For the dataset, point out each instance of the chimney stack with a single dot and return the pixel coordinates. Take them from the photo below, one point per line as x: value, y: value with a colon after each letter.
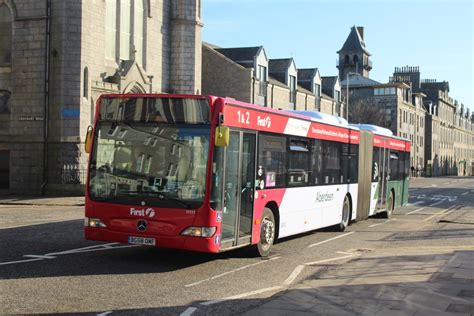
x: 360, y: 29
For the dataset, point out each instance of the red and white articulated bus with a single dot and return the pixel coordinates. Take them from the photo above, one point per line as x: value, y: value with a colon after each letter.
x: 211, y: 174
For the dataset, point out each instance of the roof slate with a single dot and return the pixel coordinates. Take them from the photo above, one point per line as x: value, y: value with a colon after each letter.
x: 354, y: 43
x: 327, y: 85
x: 279, y: 65
x: 241, y: 55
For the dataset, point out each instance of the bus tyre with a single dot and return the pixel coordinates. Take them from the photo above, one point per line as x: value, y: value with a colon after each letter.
x: 389, y: 211
x: 345, y: 216
x: 267, y: 233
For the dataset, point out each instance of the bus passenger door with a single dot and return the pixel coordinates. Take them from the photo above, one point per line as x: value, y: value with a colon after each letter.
x: 384, y: 160
x: 239, y: 181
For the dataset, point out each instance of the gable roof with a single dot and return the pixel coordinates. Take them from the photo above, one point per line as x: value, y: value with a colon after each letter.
x: 243, y: 55
x: 279, y: 65
x: 354, y: 43
x: 327, y: 85
x: 307, y: 74
x: 357, y: 80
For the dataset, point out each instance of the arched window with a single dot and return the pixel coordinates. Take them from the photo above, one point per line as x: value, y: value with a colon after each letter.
x: 4, y: 97
x: 355, y: 58
x: 85, y: 92
x: 346, y: 59
x: 5, y: 35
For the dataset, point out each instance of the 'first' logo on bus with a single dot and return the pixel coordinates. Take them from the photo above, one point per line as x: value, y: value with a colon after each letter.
x: 149, y: 212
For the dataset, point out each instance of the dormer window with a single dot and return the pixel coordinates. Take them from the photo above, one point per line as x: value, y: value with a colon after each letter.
x: 317, y: 89
x: 262, y: 73
x: 292, y: 85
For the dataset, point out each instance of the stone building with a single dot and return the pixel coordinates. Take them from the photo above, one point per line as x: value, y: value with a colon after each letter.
x: 58, y: 56
x: 404, y: 112
x: 246, y: 74
x: 449, y: 125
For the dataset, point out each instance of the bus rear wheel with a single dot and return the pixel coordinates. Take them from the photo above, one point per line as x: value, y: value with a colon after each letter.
x: 267, y: 233
x: 390, y: 206
x: 345, y: 216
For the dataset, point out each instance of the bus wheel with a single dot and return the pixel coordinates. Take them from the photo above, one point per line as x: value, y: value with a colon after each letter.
x: 267, y: 233
x: 346, y: 212
x: 389, y: 211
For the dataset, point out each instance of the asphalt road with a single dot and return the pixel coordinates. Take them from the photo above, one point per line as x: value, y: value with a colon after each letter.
x: 46, y: 266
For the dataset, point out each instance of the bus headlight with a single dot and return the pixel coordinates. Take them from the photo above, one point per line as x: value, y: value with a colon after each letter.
x: 94, y: 222
x: 205, y: 232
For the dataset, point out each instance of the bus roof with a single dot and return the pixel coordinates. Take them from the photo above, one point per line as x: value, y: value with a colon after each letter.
x: 374, y: 129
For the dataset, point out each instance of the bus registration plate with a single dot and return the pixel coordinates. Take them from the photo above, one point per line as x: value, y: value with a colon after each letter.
x: 141, y: 241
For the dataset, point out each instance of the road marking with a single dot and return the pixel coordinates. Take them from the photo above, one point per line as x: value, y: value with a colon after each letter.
x: 105, y: 313
x: 293, y: 275
x: 268, y: 289
x: 328, y: 260
x: 439, y: 213
x: 373, y: 225
x: 231, y: 271
x: 18, y: 261
x: 39, y: 257
x: 330, y: 239
x: 188, y: 311
x: 416, y: 203
x: 430, y: 186
x: 446, y: 183
x: 412, y: 212
x: 434, y: 204
x: 54, y: 255
x: 466, y: 193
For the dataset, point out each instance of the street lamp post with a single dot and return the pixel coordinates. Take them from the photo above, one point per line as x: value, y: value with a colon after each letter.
x: 347, y: 93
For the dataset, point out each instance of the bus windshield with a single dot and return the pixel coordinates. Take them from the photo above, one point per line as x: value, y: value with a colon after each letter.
x: 151, y: 152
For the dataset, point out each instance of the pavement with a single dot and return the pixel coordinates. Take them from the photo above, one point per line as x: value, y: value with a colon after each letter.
x: 43, y: 201
x: 425, y: 281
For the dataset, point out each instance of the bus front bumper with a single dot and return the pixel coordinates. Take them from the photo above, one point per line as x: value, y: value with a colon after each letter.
x: 199, y: 244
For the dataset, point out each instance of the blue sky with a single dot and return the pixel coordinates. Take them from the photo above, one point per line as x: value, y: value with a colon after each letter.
x: 435, y: 35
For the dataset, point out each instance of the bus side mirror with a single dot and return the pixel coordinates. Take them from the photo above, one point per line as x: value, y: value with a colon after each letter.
x: 222, y: 136
x: 88, y: 141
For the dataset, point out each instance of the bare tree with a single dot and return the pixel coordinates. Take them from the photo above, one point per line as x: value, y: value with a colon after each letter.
x: 367, y: 111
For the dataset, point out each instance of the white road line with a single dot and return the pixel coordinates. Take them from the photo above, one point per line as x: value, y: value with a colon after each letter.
x: 388, y: 220
x: 18, y: 261
x: 39, y: 257
x: 446, y: 183
x: 68, y: 252
x: 415, y: 211
x: 105, y: 313
x: 465, y: 193
x: 293, y: 275
x: 231, y: 271
x: 345, y: 253
x: 434, y: 204
x: 268, y: 289
x: 439, y: 213
x: 430, y: 186
x: 83, y: 248
x: 188, y: 311
x: 328, y: 260
x: 416, y: 203
x: 330, y: 239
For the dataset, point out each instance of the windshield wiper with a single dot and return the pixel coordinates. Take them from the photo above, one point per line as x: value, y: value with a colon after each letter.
x: 159, y: 195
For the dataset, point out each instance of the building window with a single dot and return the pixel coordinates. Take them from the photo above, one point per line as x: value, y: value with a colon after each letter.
x: 5, y: 35
x: 138, y: 30
x: 4, y: 97
x: 292, y: 89
x: 110, y: 29
x: 346, y: 59
x: 337, y: 95
x: 355, y: 58
x: 85, y: 92
x: 317, y: 89
x: 262, y: 73
x: 125, y: 29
